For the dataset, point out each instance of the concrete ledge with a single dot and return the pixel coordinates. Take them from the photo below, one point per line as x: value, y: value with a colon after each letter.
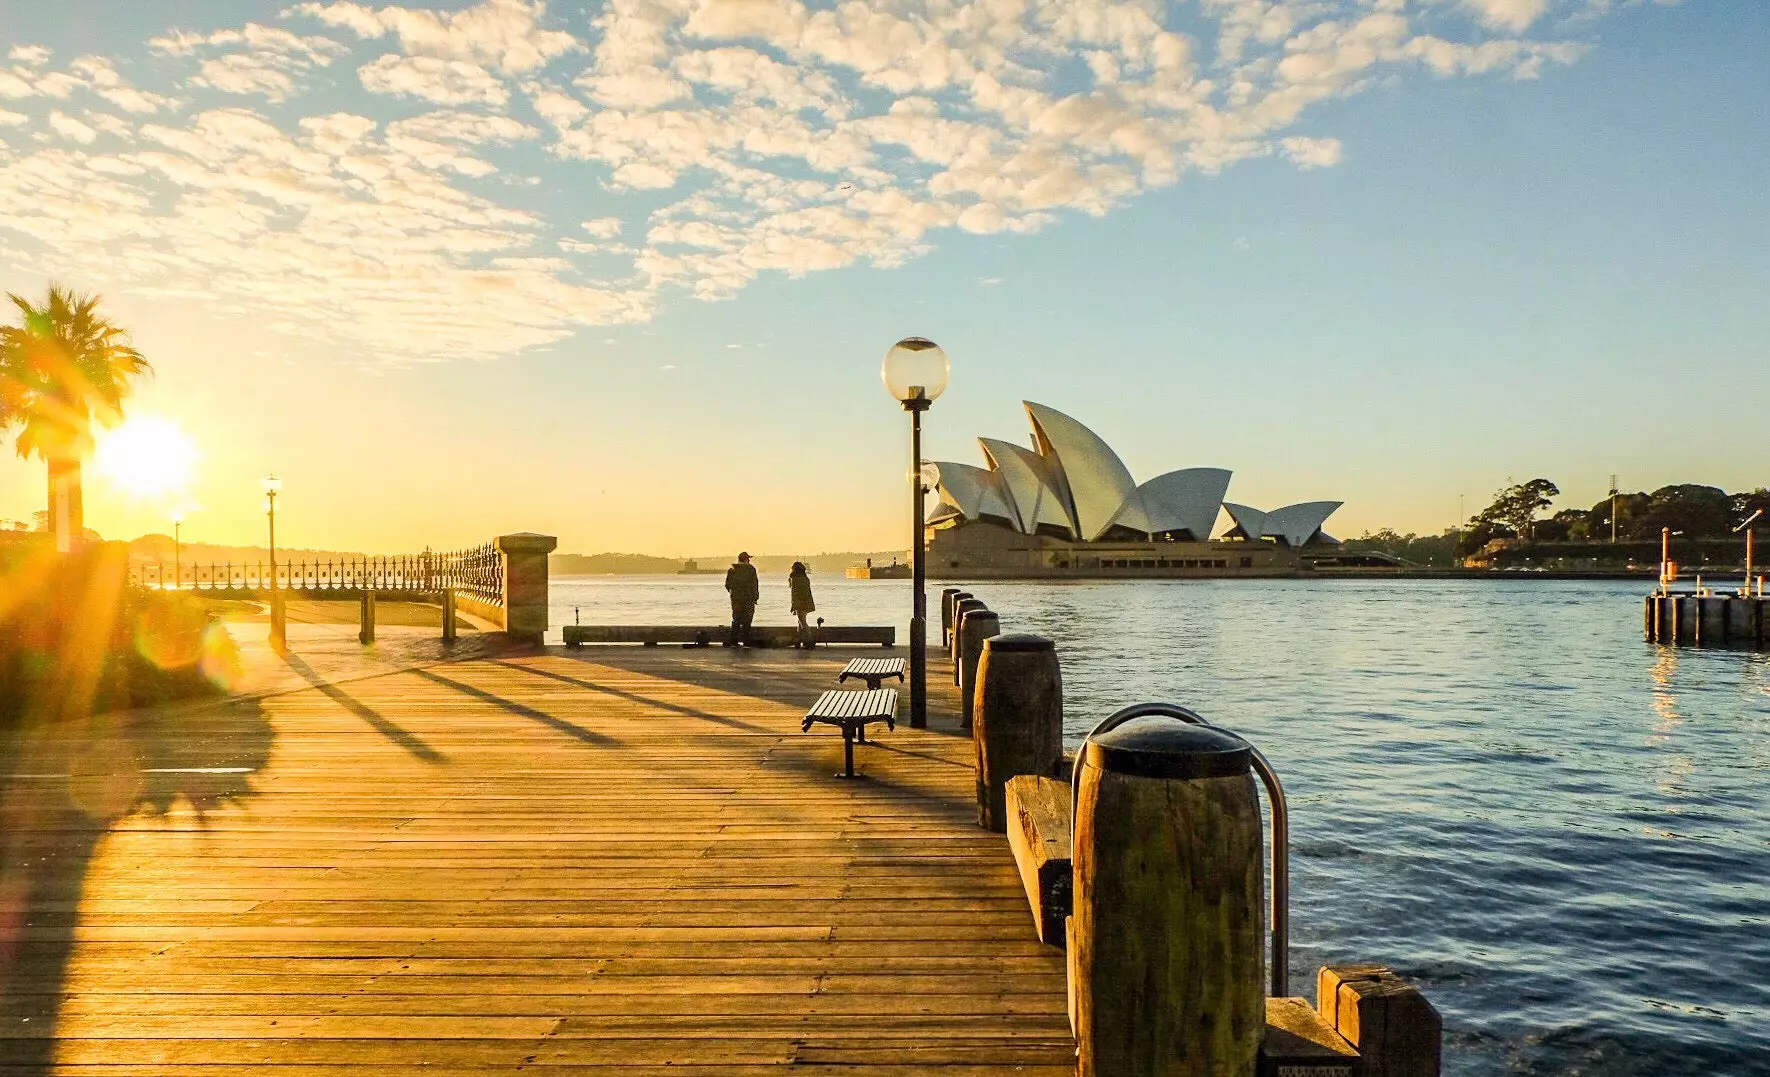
x: 713, y: 635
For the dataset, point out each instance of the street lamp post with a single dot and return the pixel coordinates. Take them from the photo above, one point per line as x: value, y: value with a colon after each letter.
x: 177, y: 568
x: 915, y: 373
x: 279, y: 628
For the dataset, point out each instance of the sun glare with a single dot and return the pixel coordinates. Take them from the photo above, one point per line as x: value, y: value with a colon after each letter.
x: 147, y: 457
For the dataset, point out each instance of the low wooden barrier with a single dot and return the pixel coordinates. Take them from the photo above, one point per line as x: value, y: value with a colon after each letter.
x: 714, y: 635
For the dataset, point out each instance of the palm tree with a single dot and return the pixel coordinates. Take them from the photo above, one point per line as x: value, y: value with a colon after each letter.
x: 64, y: 369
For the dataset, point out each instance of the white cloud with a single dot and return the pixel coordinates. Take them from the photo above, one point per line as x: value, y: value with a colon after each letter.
x: 727, y: 139
x: 1312, y: 152
x: 445, y: 82
x: 71, y: 129
x: 503, y: 34
x: 1514, y: 15
x: 13, y: 119
x: 254, y: 59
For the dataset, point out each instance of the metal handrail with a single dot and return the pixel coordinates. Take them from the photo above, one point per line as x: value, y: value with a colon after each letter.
x: 1280, y: 908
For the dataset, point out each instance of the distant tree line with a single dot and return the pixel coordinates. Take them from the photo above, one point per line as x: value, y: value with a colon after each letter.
x: 1694, y: 511
x: 1699, y: 512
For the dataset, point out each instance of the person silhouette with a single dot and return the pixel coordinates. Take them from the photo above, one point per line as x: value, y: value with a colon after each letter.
x: 799, y: 584
x: 746, y: 591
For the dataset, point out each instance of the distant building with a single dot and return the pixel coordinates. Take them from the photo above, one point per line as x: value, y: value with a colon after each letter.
x: 1069, y: 506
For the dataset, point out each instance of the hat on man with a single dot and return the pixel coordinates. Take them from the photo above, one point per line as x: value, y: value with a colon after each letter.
x: 743, y: 557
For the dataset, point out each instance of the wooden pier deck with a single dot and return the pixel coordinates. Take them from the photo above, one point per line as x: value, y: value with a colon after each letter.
x: 533, y: 862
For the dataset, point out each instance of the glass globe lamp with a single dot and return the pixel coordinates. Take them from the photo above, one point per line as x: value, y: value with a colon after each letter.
x: 915, y: 372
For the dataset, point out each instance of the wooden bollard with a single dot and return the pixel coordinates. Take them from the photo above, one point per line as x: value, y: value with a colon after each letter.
x: 948, y: 596
x: 978, y: 626
x: 1166, y: 941
x: 1017, y: 719
x: 960, y: 609
x: 366, y: 615
x: 1647, y: 619
x: 448, y: 615
x: 1396, y: 1031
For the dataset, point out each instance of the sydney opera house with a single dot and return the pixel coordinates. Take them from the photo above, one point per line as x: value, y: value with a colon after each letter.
x: 1068, y: 506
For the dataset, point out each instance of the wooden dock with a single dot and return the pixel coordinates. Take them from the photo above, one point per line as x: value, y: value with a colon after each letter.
x: 546, y: 862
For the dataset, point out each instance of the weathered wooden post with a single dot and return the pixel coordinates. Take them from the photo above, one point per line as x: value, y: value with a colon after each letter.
x: 366, y: 616
x: 960, y: 609
x: 978, y: 626
x: 448, y: 615
x: 947, y: 596
x: 1166, y: 938
x: 1017, y: 716
x: 1396, y: 1031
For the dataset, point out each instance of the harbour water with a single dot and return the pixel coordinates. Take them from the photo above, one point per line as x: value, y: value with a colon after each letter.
x: 1561, y: 832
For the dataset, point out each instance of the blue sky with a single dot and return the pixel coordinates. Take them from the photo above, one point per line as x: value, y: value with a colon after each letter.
x: 460, y: 269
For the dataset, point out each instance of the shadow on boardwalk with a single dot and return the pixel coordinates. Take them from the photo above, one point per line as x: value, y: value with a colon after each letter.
x: 62, y: 787
x: 518, y: 861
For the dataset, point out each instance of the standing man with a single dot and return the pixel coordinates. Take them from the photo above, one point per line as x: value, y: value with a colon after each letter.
x: 746, y: 590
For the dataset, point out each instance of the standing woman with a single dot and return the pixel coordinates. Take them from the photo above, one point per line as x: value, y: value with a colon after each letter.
x: 800, y: 585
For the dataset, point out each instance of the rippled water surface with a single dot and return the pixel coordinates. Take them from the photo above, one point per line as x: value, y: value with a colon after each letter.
x: 1561, y: 832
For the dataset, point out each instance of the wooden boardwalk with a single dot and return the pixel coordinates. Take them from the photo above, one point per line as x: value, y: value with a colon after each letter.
x: 536, y: 862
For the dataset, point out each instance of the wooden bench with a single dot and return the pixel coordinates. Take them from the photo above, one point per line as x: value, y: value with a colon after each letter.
x: 852, y: 711
x: 1038, y: 835
x: 872, y: 670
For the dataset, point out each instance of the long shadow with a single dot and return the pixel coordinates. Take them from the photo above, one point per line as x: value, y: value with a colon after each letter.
x: 406, y: 739
x: 634, y: 697
x: 63, y: 786
x: 570, y: 729
x: 802, y: 764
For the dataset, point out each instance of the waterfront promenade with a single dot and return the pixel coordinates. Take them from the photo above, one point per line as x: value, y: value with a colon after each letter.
x: 380, y: 861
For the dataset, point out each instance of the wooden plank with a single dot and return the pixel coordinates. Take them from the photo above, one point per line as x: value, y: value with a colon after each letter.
x: 633, y: 861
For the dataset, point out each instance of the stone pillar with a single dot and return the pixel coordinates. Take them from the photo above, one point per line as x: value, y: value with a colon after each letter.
x: 525, y: 584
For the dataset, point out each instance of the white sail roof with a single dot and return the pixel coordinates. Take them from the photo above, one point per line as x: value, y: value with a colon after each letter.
x: 1099, y: 482
x: 1298, y: 523
x: 1252, y: 522
x: 1031, y: 486
x: 974, y: 492
x: 1295, y: 524
x: 1184, y: 500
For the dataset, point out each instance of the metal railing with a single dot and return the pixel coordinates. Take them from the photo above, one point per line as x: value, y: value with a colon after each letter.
x: 477, y: 572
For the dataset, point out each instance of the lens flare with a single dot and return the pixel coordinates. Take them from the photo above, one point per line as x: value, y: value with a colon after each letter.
x: 147, y: 457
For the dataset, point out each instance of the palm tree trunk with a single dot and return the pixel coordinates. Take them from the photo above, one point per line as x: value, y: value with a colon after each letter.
x: 67, y: 516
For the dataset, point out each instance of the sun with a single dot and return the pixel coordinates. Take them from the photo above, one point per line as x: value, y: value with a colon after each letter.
x: 146, y: 457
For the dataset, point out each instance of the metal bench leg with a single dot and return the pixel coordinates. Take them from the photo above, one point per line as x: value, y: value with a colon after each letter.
x: 847, y: 752
x: 860, y: 733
